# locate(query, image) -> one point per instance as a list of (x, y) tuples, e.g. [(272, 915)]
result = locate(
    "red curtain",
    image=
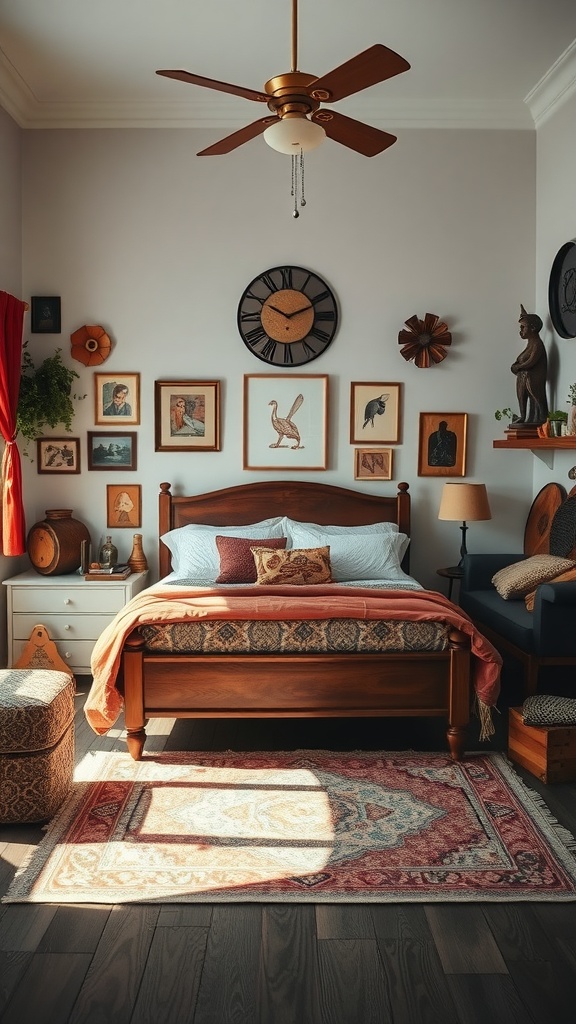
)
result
[(11, 326)]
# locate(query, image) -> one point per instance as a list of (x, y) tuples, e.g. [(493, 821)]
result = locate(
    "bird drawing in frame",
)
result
[(375, 407), (284, 426)]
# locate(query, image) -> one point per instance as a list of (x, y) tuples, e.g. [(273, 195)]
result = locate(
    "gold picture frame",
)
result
[(285, 421), (373, 463), (117, 399), (442, 444), (187, 415), (375, 412)]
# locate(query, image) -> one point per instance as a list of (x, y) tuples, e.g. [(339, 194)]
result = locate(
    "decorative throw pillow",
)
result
[(564, 577), (237, 563), (356, 555), (299, 566), (519, 579)]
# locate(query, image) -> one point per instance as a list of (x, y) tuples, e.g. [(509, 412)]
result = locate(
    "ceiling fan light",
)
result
[(292, 134)]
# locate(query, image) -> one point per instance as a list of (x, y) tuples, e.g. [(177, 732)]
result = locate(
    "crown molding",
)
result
[(554, 88)]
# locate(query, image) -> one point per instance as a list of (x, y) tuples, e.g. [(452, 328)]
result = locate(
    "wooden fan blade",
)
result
[(238, 138), (212, 83), (376, 64), (355, 134)]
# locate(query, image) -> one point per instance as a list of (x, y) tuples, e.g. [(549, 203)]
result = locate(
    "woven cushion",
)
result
[(547, 709), (519, 579), (237, 563), (36, 708), (296, 566), (564, 577)]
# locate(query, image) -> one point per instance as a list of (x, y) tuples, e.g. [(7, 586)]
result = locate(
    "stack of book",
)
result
[(113, 572)]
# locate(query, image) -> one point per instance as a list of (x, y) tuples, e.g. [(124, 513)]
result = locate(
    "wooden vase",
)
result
[(137, 560)]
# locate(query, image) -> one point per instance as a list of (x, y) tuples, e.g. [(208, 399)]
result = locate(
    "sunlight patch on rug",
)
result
[(302, 826)]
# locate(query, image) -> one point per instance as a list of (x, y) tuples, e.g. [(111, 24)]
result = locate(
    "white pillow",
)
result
[(356, 555), (383, 529), (193, 547)]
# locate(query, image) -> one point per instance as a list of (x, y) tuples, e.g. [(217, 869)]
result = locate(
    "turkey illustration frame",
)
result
[(370, 424), (302, 399)]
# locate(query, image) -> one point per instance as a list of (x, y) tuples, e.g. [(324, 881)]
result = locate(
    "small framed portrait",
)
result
[(117, 398), (442, 444), (373, 464), (374, 413), (58, 454), (285, 421), (112, 450), (187, 415), (45, 314), (123, 506)]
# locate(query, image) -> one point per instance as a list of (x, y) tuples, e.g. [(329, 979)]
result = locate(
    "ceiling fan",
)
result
[(297, 122)]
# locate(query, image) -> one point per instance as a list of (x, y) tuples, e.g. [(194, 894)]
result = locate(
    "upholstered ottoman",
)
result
[(36, 743)]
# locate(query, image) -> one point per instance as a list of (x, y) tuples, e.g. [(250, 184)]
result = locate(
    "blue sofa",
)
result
[(545, 636)]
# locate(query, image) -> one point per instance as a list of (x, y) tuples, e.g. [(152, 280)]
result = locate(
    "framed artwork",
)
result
[(187, 415), (45, 314), (58, 454), (123, 506), (117, 398), (374, 413), (442, 444), (285, 421), (111, 450), (373, 464)]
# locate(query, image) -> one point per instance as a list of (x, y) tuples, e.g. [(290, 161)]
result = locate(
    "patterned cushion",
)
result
[(296, 566), (564, 577), (519, 579), (237, 563)]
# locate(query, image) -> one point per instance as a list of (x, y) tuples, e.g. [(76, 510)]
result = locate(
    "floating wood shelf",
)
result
[(537, 443)]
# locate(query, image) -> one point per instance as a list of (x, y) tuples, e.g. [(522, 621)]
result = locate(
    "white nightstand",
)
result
[(74, 611)]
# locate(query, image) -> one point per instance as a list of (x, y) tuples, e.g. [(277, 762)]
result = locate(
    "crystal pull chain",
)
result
[(298, 182)]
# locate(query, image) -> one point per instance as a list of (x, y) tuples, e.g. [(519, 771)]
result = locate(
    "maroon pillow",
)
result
[(237, 563)]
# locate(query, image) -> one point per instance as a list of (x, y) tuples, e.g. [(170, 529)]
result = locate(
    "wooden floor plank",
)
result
[(490, 999), (400, 921), (12, 968), (24, 925), (352, 984), (517, 931), (229, 983), (49, 988), (417, 987), (288, 973), (170, 983), (463, 939), (344, 921), (548, 989), (75, 929)]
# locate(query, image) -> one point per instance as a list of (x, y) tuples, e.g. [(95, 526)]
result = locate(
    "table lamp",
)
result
[(464, 503)]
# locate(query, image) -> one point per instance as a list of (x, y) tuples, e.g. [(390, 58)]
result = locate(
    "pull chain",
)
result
[(298, 182)]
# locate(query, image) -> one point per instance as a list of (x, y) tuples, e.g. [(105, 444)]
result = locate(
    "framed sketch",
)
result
[(285, 421), (45, 314), (111, 450), (187, 415), (442, 444), (117, 398), (58, 454), (123, 506), (374, 413), (373, 464)]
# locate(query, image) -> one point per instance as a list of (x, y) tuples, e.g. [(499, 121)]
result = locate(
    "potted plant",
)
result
[(556, 419), (45, 398), (501, 414)]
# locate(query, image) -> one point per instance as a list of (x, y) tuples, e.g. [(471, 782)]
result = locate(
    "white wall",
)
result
[(10, 281), (139, 235), (556, 224)]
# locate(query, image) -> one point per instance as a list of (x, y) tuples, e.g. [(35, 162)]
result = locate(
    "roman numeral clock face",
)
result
[(287, 316)]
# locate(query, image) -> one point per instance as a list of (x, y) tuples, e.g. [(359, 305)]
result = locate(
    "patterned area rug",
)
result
[(304, 826)]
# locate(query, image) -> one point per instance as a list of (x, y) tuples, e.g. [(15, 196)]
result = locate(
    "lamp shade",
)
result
[(464, 503), (292, 134)]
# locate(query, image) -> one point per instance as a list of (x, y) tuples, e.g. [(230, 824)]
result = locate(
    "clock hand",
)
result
[(296, 311), (276, 310)]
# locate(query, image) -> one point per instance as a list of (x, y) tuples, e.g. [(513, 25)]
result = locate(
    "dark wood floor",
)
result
[(286, 964)]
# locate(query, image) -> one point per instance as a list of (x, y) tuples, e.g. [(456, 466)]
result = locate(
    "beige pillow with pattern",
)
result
[(298, 566), (519, 579), (564, 577)]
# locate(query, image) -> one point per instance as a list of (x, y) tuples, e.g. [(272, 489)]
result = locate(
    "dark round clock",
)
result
[(562, 291), (287, 316)]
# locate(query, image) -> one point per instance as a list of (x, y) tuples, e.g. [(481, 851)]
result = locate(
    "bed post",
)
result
[(403, 508), (459, 697), (164, 526), (132, 663)]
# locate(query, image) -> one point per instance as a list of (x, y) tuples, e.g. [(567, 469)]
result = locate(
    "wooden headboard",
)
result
[(298, 499)]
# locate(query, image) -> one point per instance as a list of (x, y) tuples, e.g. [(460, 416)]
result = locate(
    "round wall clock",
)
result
[(562, 291), (287, 316)]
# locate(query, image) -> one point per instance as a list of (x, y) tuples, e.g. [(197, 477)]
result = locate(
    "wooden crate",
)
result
[(549, 752)]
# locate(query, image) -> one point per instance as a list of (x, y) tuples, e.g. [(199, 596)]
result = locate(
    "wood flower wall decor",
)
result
[(425, 341), (90, 345)]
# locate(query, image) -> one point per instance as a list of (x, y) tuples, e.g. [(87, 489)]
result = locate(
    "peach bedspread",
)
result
[(171, 603)]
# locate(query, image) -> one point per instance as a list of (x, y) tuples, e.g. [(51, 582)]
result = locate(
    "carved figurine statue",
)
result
[(531, 369)]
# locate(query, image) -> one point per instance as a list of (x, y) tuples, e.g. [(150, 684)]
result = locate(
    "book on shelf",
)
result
[(114, 572)]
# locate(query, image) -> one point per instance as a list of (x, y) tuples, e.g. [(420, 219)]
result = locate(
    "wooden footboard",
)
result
[(296, 686)]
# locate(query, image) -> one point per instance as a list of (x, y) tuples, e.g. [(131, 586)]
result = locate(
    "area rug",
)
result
[(300, 826)]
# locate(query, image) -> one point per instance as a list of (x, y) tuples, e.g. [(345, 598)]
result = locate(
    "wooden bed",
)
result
[(294, 685)]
